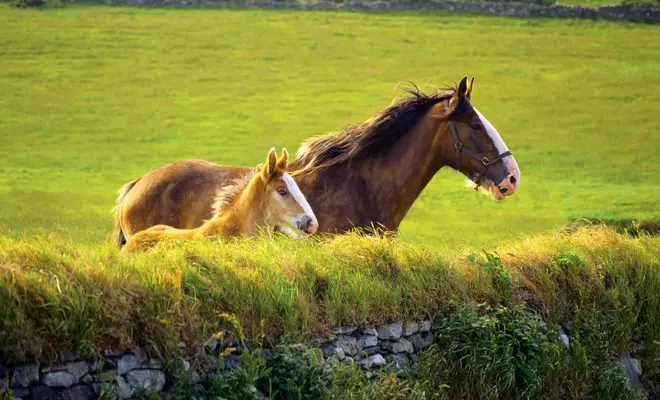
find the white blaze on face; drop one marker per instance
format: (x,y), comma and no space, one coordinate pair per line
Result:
(509,161)
(300,199)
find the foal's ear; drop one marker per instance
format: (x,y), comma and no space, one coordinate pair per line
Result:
(462,88)
(269,166)
(470,86)
(283,162)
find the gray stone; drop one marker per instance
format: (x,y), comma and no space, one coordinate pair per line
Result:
(416,341)
(410,327)
(59,379)
(186,365)
(80,392)
(370,351)
(339,353)
(112,352)
(427,339)
(87,379)
(631,369)
(344,330)
(25,375)
(107,376)
(211,344)
(53,368)
(195,377)
(370,332)
(77,369)
(105,390)
(328,349)
(211,363)
(425,326)
(564,338)
(347,343)
(375,360)
(42,392)
(147,380)
(66,356)
(400,346)
(154,364)
(3,386)
(367,341)
(123,389)
(21,392)
(232,362)
(127,363)
(96,365)
(391,331)
(399,361)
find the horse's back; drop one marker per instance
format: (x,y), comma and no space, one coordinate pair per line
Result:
(180,195)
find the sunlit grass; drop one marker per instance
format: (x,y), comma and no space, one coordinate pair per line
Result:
(58,295)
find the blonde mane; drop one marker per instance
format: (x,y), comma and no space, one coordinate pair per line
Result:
(226,194)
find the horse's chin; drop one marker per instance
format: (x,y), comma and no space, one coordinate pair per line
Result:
(488,188)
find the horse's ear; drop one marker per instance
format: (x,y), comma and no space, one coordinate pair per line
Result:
(269,166)
(470,86)
(283,162)
(462,88)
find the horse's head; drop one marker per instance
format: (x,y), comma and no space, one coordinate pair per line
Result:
(285,206)
(478,151)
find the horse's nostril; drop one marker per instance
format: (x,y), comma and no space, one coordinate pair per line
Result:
(503,190)
(513,179)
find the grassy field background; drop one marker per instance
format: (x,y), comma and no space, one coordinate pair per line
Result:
(92,96)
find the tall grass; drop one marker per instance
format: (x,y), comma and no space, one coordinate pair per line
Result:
(57,295)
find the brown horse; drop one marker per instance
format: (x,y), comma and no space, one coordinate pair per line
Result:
(368,174)
(266,198)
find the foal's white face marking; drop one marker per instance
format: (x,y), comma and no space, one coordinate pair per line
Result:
(294,190)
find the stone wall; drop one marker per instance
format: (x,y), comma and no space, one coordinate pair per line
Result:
(127,374)
(121,374)
(512,9)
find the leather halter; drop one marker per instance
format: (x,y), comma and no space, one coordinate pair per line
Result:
(485,161)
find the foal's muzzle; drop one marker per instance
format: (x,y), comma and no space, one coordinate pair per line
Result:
(307,225)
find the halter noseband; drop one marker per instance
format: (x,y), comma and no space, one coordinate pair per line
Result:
(485,161)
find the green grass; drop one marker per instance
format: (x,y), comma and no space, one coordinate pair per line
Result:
(61,295)
(94,96)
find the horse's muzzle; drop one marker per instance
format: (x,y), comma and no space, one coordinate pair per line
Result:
(308,225)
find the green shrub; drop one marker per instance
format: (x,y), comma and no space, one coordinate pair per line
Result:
(484,353)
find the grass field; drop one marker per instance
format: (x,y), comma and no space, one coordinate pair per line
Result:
(92,96)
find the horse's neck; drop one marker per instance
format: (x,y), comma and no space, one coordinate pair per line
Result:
(242,215)
(396,178)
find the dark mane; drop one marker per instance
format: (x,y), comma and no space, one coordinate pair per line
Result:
(374,136)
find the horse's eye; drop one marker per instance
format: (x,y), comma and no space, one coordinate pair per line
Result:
(476,127)
(282,191)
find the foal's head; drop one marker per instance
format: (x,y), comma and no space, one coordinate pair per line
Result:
(477,150)
(284,205)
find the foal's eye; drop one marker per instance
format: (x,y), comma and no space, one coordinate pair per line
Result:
(476,127)
(282,191)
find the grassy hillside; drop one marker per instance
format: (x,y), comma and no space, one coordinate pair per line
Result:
(94,96)
(58,295)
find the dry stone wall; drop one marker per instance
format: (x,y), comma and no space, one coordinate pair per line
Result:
(127,374)
(502,8)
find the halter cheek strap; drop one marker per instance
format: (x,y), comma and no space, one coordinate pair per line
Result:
(485,161)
